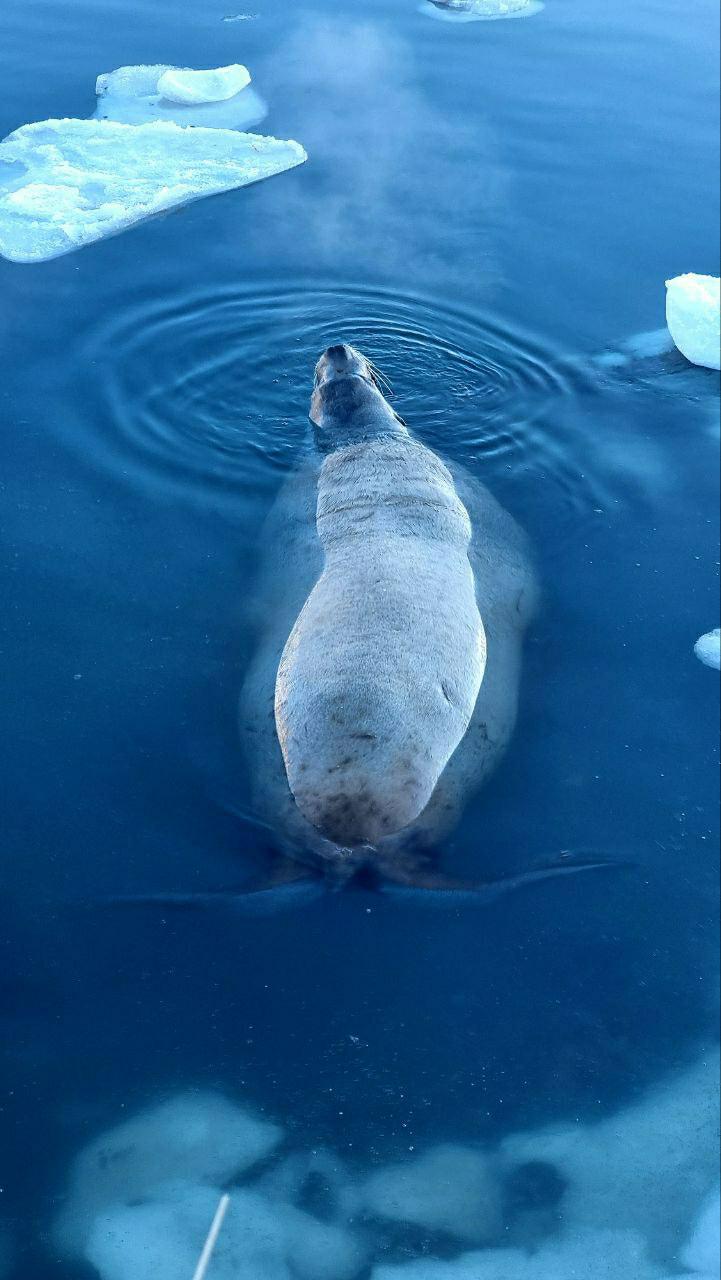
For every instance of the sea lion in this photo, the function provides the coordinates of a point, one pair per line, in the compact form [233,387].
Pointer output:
[394,596]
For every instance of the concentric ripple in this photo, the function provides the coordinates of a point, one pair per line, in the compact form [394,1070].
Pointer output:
[212,391]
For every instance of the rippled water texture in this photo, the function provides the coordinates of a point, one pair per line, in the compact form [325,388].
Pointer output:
[490,211]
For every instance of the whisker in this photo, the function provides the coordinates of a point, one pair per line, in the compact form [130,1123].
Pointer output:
[383,382]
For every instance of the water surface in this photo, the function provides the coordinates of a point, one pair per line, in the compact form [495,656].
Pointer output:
[487,207]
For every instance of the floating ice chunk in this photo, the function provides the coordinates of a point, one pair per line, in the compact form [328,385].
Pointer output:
[202,1137]
[162,1240]
[450,1188]
[708,649]
[703,1251]
[693,307]
[87,179]
[183,84]
[651,345]
[592,1255]
[647,1168]
[132,95]
[480,10]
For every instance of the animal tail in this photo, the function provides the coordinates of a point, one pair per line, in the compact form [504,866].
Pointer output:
[431,888]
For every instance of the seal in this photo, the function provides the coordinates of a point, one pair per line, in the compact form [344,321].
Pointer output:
[380,675]
[393,596]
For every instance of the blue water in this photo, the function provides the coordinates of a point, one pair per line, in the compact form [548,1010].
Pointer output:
[487,207]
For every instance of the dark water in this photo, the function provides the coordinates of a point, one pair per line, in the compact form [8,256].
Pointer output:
[486,208]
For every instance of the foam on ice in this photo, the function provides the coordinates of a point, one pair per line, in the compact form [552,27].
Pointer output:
[200,1137]
[68,183]
[137,94]
[693,308]
[708,649]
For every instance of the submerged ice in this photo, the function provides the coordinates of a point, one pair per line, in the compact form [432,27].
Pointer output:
[692,315]
[202,1138]
[631,1197]
[143,1195]
[702,1254]
[161,1239]
[593,1255]
[451,1188]
[67,183]
[222,98]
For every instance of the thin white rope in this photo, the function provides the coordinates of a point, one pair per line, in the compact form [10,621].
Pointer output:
[205,1257]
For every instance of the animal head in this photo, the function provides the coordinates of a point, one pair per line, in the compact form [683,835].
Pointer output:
[348,402]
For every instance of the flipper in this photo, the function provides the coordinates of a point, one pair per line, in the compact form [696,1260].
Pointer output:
[287,887]
[434,888]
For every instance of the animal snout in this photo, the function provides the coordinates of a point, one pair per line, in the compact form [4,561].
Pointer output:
[339,356]
[340,361]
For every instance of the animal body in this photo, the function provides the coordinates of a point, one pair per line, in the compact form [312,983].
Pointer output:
[393,596]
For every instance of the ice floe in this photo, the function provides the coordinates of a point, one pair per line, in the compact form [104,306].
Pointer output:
[480,10]
[708,649]
[450,1188]
[162,1239]
[137,94]
[68,183]
[202,1138]
[692,315]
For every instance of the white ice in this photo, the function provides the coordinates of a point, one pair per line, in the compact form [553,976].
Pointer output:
[450,1188]
[693,308]
[200,1137]
[162,1240]
[647,1168]
[137,94]
[703,1251]
[480,10]
[651,345]
[590,1255]
[67,183]
[322,1169]
[708,649]
[191,87]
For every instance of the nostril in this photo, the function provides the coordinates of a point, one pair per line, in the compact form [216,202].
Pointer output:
[339,353]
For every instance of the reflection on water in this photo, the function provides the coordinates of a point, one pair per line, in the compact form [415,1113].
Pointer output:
[475,200]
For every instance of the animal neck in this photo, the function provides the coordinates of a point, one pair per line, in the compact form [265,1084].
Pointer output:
[352,412]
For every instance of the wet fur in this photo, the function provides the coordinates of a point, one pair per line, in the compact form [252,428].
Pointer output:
[292,563]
